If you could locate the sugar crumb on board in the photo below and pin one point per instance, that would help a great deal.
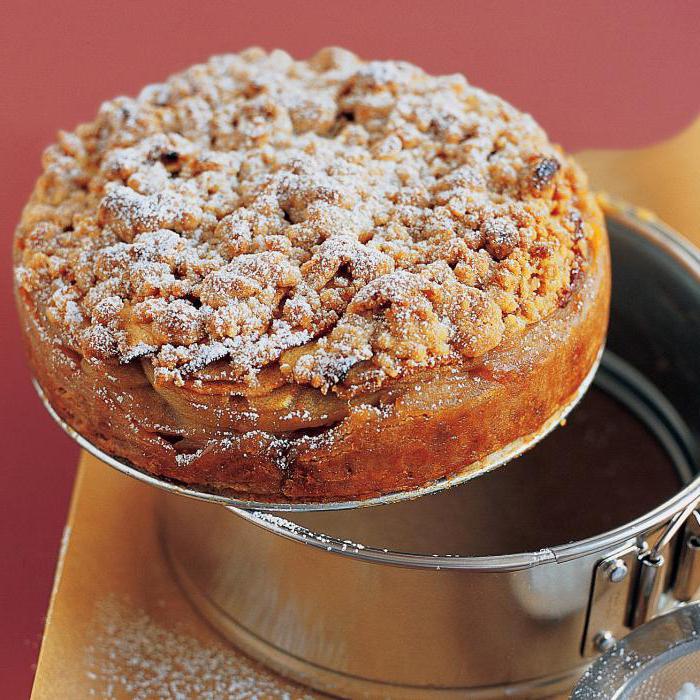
(132, 656)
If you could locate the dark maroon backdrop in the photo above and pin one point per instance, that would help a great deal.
(610, 74)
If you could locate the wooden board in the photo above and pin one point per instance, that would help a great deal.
(118, 626)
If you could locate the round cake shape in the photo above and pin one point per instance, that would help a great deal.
(310, 280)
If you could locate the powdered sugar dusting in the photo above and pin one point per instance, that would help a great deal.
(135, 657)
(349, 221)
(688, 691)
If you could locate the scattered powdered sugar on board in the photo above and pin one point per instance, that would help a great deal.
(136, 657)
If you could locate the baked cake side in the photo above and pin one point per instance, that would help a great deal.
(263, 257)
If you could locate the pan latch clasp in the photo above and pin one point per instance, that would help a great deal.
(633, 584)
(650, 581)
(687, 584)
(613, 583)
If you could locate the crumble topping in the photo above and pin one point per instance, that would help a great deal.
(349, 221)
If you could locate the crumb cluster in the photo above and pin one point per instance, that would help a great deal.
(348, 222)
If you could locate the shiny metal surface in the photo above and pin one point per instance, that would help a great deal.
(604, 641)
(645, 603)
(687, 583)
(354, 626)
(609, 602)
(617, 571)
(653, 662)
(483, 590)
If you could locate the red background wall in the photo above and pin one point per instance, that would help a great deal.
(610, 74)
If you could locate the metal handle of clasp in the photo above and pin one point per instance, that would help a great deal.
(645, 601)
(687, 583)
(628, 584)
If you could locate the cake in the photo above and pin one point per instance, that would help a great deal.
(310, 280)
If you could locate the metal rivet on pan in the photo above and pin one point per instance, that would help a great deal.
(617, 571)
(604, 641)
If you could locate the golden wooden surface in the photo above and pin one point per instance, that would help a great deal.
(665, 178)
(112, 579)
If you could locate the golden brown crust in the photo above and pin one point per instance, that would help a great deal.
(310, 280)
